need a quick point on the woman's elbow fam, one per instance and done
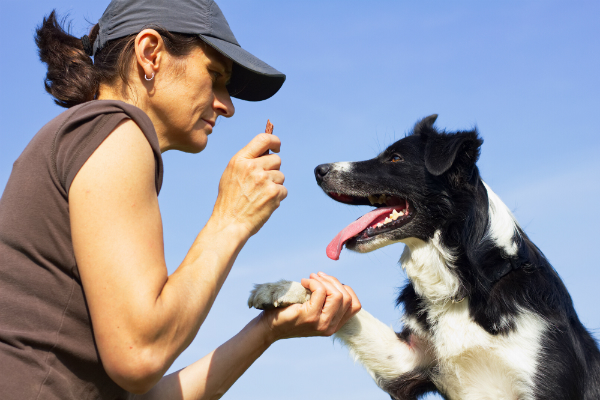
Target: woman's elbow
(137, 372)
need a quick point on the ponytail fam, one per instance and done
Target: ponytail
(70, 79)
(73, 78)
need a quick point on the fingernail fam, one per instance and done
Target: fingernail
(322, 274)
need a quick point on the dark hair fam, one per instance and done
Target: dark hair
(74, 78)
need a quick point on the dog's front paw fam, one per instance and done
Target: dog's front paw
(278, 294)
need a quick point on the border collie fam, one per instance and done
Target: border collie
(485, 314)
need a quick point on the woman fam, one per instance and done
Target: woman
(87, 310)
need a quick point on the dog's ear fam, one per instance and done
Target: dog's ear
(425, 124)
(443, 150)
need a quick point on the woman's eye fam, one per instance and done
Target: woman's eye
(216, 75)
(396, 158)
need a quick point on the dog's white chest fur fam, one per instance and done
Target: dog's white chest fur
(473, 364)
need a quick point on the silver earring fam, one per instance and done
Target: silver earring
(149, 79)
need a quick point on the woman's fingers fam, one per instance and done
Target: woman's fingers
(355, 307)
(350, 303)
(259, 145)
(276, 177)
(333, 280)
(337, 304)
(270, 162)
(318, 296)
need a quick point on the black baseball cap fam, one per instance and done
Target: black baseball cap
(251, 78)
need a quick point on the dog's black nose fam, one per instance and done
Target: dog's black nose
(321, 171)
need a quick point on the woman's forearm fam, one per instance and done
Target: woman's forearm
(189, 293)
(210, 377)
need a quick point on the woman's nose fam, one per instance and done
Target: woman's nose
(223, 104)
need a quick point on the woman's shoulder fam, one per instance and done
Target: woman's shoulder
(83, 119)
(94, 109)
(80, 130)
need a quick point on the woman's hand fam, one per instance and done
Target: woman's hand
(331, 305)
(251, 187)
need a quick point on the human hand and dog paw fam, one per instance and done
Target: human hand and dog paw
(318, 306)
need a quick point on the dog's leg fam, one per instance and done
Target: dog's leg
(398, 366)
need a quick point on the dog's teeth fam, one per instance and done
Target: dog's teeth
(276, 304)
(387, 221)
(401, 213)
(381, 199)
(379, 225)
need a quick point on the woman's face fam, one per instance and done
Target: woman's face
(187, 99)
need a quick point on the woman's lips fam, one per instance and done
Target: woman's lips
(211, 123)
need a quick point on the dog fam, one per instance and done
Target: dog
(485, 314)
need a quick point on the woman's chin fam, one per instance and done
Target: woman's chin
(193, 147)
(191, 143)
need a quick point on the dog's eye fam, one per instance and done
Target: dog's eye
(396, 158)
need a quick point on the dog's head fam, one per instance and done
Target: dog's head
(418, 185)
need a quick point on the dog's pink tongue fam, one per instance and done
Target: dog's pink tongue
(335, 247)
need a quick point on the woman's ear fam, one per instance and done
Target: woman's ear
(149, 52)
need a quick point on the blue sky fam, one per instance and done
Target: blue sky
(360, 74)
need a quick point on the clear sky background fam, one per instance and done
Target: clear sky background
(360, 74)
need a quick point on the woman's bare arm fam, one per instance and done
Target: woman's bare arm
(143, 318)
(210, 377)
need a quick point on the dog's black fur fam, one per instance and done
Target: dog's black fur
(436, 173)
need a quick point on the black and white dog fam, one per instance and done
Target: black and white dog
(485, 315)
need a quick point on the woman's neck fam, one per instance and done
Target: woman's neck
(128, 94)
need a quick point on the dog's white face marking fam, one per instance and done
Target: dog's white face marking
(502, 224)
(375, 244)
(476, 365)
(342, 167)
(428, 265)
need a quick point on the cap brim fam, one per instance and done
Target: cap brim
(251, 78)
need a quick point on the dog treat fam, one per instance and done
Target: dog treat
(269, 130)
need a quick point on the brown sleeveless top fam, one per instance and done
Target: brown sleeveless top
(47, 348)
